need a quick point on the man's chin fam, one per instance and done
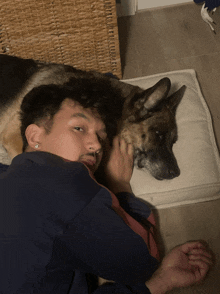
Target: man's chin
(92, 168)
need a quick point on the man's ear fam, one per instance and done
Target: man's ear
(33, 135)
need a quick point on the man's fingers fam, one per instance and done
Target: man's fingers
(189, 246)
(130, 149)
(201, 252)
(200, 268)
(115, 141)
(123, 145)
(203, 258)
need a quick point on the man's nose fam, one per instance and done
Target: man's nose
(94, 144)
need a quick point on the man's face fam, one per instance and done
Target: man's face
(77, 134)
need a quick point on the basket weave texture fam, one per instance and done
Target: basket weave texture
(81, 33)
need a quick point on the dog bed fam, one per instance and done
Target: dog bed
(196, 151)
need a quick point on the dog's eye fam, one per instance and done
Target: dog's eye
(159, 135)
(143, 136)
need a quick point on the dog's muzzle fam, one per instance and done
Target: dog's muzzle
(160, 167)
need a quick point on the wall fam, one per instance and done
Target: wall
(144, 4)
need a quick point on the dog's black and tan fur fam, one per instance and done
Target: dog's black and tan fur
(146, 118)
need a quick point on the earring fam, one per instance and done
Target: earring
(36, 146)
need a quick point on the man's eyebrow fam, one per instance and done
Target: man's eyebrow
(79, 114)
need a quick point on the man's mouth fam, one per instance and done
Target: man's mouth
(89, 163)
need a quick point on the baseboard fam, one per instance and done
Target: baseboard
(165, 6)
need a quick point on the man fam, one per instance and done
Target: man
(58, 223)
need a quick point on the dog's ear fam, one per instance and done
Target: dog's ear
(154, 95)
(174, 100)
(141, 103)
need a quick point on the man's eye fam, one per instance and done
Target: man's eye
(78, 129)
(101, 139)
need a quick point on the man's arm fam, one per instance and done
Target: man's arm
(106, 246)
(184, 266)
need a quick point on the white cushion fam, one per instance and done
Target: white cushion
(196, 151)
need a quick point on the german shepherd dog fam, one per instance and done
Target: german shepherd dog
(147, 118)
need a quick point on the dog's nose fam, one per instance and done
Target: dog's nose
(173, 173)
(168, 174)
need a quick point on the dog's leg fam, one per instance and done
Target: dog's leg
(11, 137)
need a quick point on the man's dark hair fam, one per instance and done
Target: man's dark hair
(41, 104)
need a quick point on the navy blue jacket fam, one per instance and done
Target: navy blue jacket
(57, 224)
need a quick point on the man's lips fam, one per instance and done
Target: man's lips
(88, 162)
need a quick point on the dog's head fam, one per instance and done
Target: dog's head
(149, 124)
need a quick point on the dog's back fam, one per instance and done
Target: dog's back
(14, 73)
(138, 124)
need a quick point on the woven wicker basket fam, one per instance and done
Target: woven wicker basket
(81, 33)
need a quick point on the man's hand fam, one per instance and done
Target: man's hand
(119, 166)
(185, 265)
